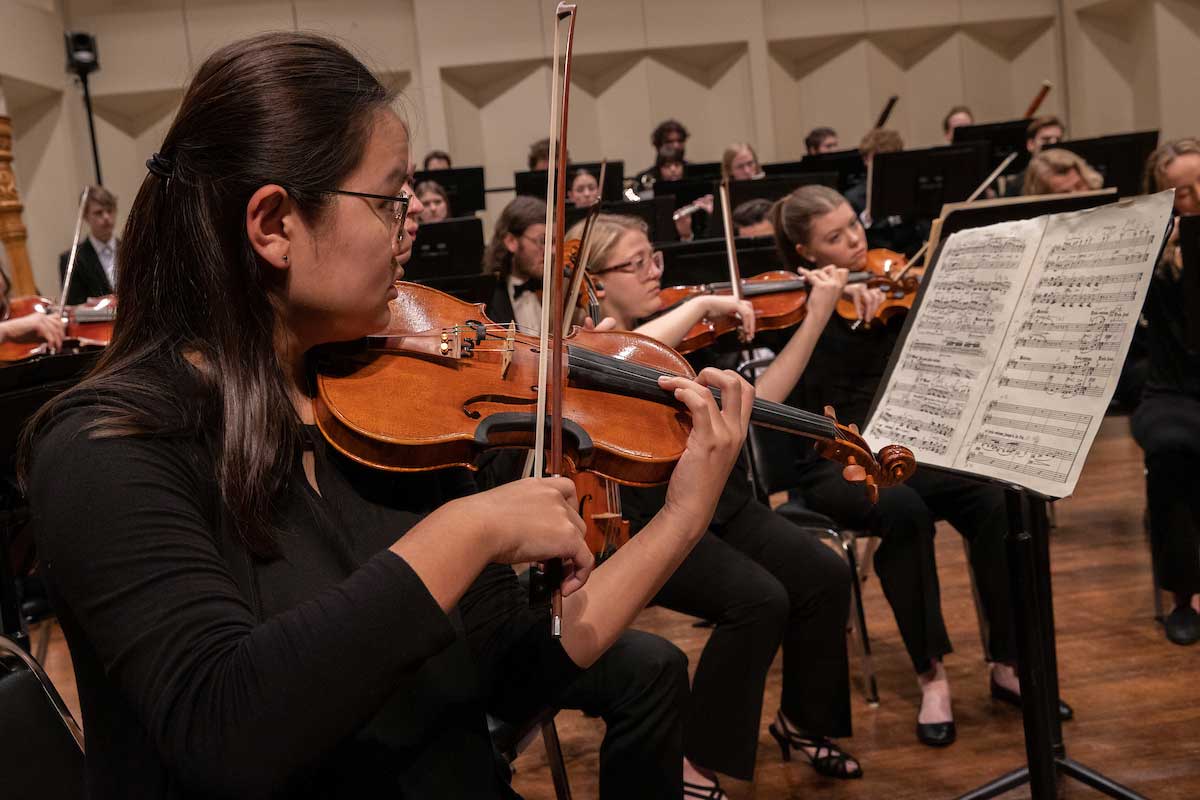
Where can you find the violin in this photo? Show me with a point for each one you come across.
(779, 298)
(475, 382)
(88, 325)
(600, 508)
(892, 275)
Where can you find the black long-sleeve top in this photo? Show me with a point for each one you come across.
(1174, 368)
(327, 672)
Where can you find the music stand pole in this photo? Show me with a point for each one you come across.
(1028, 545)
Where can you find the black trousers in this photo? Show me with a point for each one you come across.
(764, 582)
(640, 688)
(905, 561)
(1167, 427)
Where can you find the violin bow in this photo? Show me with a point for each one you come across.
(550, 362)
(66, 287)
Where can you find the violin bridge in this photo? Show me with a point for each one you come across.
(510, 340)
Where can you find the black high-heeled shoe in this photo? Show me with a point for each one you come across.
(937, 734)
(1065, 712)
(826, 757)
(703, 792)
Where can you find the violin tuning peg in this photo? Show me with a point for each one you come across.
(829, 412)
(853, 428)
(873, 492)
(854, 474)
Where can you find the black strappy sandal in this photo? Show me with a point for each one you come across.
(704, 792)
(827, 758)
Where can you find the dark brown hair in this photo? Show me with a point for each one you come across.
(292, 109)
(793, 215)
(518, 216)
(101, 197)
(1037, 123)
(951, 113)
(432, 154)
(880, 140)
(816, 136)
(659, 137)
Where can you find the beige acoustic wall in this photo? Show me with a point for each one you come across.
(475, 75)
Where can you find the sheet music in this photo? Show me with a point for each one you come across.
(1019, 341)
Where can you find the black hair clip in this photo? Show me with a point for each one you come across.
(161, 166)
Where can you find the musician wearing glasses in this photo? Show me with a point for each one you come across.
(516, 253)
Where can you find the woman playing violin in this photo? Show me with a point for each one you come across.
(248, 612)
(29, 328)
(760, 579)
(816, 225)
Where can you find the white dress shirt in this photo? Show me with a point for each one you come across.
(527, 309)
(107, 251)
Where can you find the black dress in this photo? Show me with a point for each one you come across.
(329, 671)
(1167, 426)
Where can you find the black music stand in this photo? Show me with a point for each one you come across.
(1189, 241)
(705, 260)
(655, 212)
(1003, 138)
(848, 164)
(770, 188)
(702, 169)
(915, 184)
(24, 387)
(463, 185)
(533, 182)
(1121, 159)
(477, 288)
(449, 247)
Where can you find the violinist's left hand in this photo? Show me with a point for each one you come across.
(606, 324)
(866, 300)
(718, 430)
(825, 286)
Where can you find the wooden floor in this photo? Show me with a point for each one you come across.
(1137, 719)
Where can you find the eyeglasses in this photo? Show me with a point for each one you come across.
(638, 265)
(536, 241)
(398, 207)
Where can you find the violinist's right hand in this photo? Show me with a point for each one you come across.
(35, 327)
(720, 305)
(532, 520)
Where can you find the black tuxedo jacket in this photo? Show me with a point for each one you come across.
(499, 308)
(88, 279)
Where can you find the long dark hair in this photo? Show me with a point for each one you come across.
(286, 108)
(521, 214)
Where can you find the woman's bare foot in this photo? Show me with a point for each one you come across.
(1005, 676)
(935, 696)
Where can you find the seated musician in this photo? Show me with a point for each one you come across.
(516, 254)
(739, 162)
(435, 203)
(1041, 133)
(753, 218)
(31, 328)
(816, 225)
(668, 133)
(821, 140)
(876, 140)
(1059, 171)
(1167, 421)
(95, 272)
(583, 189)
(956, 117)
(436, 159)
(669, 166)
(762, 581)
(249, 612)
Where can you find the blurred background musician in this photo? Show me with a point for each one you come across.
(956, 117)
(515, 253)
(669, 133)
(1166, 423)
(437, 159)
(434, 201)
(876, 140)
(753, 218)
(32, 328)
(1059, 171)
(739, 162)
(1042, 132)
(821, 140)
(583, 188)
(95, 272)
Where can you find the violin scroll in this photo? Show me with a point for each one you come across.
(893, 465)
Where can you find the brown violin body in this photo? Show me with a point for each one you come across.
(899, 292)
(779, 298)
(472, 386)
(89, 326)
(600, 507)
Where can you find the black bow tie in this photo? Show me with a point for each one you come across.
(531, 285)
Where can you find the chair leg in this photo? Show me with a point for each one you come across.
(554, 756)
(868, 558)
(860, 622)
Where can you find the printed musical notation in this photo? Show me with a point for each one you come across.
(1018, 343)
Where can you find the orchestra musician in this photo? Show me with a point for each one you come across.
(753, 218)
(249, 612)
(1059, 171)
(436, 159)
(1166, 423)
(956, 117)
(763, 582)
(815, 225)
(516, 254)
(583, 189)
(876, 140)
(821, 140)
(435, 203)
(95, 271)
(739, 162)
(1042, 132)
(669, 133)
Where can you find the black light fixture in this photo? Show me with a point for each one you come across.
(83, 59)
